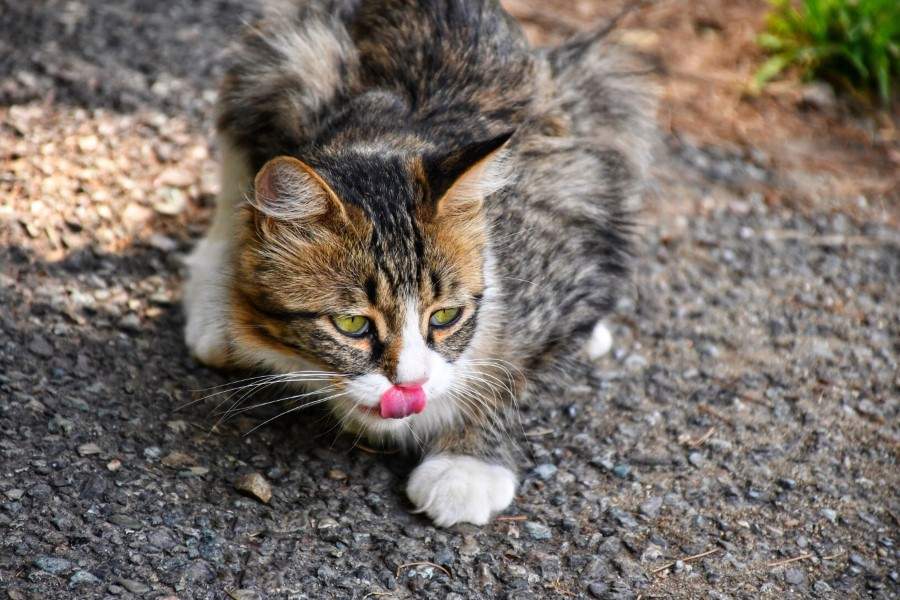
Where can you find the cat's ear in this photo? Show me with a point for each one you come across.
(462, 180)
(289, 190)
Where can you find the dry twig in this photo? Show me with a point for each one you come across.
(714, 413)
(702, 439)
(423, 563)
(684, 560)
(787, 561)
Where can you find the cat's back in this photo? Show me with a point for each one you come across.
(439, 50)
(444, 62)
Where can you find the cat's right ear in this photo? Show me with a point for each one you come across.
(287, 190)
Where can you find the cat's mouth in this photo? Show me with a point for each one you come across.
(399, 402)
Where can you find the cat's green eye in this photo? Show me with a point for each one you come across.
(444, 317)
(352, 325)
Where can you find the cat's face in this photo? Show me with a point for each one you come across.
(375, 281)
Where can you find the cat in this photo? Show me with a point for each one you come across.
(420, 216)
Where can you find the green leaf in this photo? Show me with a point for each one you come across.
(770, 69)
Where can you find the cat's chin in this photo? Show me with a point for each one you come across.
(366, 421)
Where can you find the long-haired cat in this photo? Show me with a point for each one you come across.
(419, 216)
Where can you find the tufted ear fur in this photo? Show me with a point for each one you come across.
(462, 180)
(288, 190)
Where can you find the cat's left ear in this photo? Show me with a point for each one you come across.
(288, 190)
(462, 180)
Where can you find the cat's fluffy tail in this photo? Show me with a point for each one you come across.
(287, 68)
(609, 99)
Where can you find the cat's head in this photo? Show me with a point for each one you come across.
(369, 272)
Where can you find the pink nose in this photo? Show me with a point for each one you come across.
(401, 401)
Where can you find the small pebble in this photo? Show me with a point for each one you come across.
(254, 484)
(696, 459)
(651, 507)
(41, 347)
(794, 576)
(829, 514)
(81, 577)
(125, 521)
(52, 564)
(135, 587)
(178, 459)
(621, 470)
(89, 449)
(635, 362)
(545, 471)
(336, 474)
(152, 452)
(130, 322)
(820, 587)
(15, 494)
(538, 531)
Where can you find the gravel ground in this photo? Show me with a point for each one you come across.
(741, 441)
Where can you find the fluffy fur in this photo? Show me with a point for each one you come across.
(399, 157)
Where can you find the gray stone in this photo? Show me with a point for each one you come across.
(537, 530)
(651, 507)
(83, 577)
(696, 459)
(794, 576)
(621, 470)
(598, 589)
(52, 564)
(545, 471)
(822, 588)
(125, 521)
(40, 346)
(135, 587)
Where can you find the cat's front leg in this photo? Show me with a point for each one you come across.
(209, 268)
(465, 479)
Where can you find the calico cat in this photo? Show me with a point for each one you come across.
(420, 216)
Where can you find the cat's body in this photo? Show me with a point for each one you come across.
(447, 222)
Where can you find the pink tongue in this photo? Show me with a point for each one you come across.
(401, 401)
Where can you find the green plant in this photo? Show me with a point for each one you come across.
(852, 43)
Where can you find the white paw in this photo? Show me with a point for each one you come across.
(460, 489)
(205, 298)
(600, 341)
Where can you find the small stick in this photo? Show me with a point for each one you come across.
(833, 556)
(699, 441)
(421, 563)
(713, 412)
(755, 400)
(685, 560)
(786, 561)
(512, 518)
(231, 595)
(376, 594)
